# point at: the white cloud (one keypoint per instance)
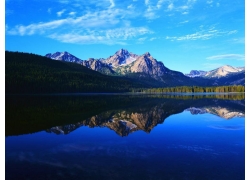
(142, 39)
(130, 6)
(111, 36)
(170, 7)
(182, 8)
(59, 14)
(227, 56)
(201, 35)
(150, 13)
(146, 2)
(72, 13)
(101, 19)
(184, 22)
(152, 39)
(160, 3)
(209, 1)
(112, 3)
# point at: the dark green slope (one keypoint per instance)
(29, 73)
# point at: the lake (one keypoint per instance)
(125, 136)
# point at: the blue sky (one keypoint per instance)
(183, 34)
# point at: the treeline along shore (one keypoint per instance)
(193, 89)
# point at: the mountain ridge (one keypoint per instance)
(147, 69)
(219, 72)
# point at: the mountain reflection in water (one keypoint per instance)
(149, 137)
(123, 114)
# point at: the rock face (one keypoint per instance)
(148, 65)
(120, 58)
(196, 73)
(64, 56)
(98, 65)
(145, 64)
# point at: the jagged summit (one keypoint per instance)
(121, 57)
(145, 67)
(64, 56)
(147, 54)
(122, 52)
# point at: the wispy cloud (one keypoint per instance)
(182, 8)
(112, 3)
(160, 3)
(152, 39)
(130, 6)
(72, 13)
(59, 13)
(105, 18)
(184, 22)
(111, 36)
(227, 56)
(202, 35)
(141, 40)
(152, 9)
(170, 7)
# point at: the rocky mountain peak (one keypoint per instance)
(147, 54)
(122, 52)
(121, 57)
(222, 71)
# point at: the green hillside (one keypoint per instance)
(30, 73)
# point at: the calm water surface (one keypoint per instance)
(158, 137)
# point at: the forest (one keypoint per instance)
(193, 89)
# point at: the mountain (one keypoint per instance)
(223, 71)
(147, 70)
(144, 64)
(237, 78)
(196, 73)
(120, 58)
(144, 68)
(216, 73)
(64, 56)
(98, 65)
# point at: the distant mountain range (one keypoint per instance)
(148, 70)
(216, 73)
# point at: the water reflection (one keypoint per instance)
(187, 137)
(123, 114)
